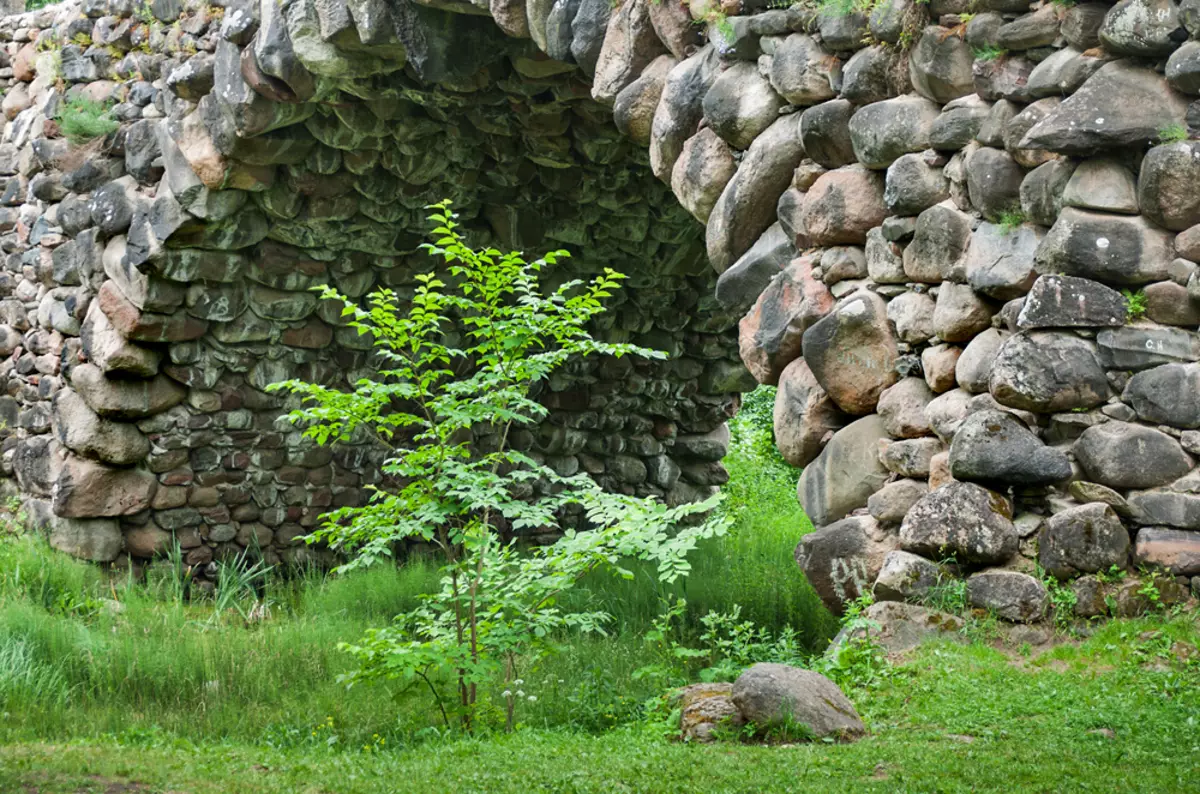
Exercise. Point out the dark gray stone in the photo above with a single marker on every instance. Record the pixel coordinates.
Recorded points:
(1070, 302)
(961, 521)
(994, 446)
(1124, 455)
(1048, 372)
(1167, 394)
(1085, 539)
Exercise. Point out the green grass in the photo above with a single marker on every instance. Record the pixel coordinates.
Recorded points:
(107, 684)
(80, 657)
(1011, 219)
(1115, 714)
(82, 120)
(1173, 133)
(988, 53)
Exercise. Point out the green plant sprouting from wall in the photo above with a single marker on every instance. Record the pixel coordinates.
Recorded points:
(82, 120)
(1135, 304)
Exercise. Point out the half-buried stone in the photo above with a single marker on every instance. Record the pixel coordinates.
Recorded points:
(905, 576)
(962, 521)
(852, 352)
(1124, 455)
(845, 474)
(1048, 372)
(993, 446)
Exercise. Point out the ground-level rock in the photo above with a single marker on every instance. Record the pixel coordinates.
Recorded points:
(842, 560)
(1013, 596)
(770, 694)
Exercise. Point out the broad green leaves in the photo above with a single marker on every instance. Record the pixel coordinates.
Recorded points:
(458, 364)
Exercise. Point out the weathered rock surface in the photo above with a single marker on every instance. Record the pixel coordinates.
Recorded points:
(852, 352)
(1084, 539)
(845, 474)
(1047, 372)
(770, 335)
(804, 415)
(996, 447)
(1013, 596)
(1125, 455)
(1071, 302)
(960, 521)
(1176, 550)
(770, 694)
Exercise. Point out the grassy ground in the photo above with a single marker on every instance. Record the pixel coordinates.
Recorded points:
(111, 688)
(81, 657)
(1116, 714)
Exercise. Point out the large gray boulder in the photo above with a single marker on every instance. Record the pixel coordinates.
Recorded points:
(1116, 249)
(841, 561)
(1089, 120)
(1048, 372)
(1168, 395)
(962, 521)
(771, 695)
(746, 207)
(1083, 539)
(852, 352)
(994, 446)
(125, 399)
(845, 474)
(883, 131)
(1124, 455)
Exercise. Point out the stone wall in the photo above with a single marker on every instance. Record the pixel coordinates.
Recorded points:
(924, 213)
(158, 278)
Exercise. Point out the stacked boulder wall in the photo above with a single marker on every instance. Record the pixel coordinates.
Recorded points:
(974, 280)
(159, 275)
